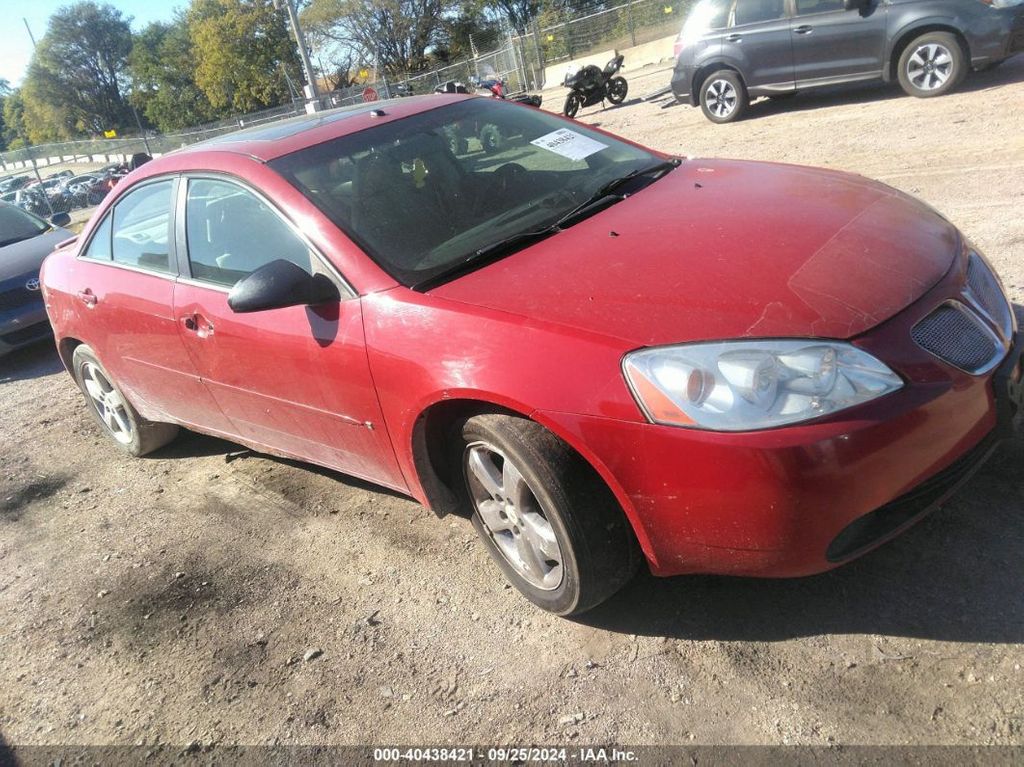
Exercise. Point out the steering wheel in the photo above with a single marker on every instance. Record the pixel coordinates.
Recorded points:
(508, 176)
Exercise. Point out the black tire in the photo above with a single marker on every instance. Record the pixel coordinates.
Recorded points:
(723, 97)
(143, 436)
(931, 65)
(617, 90)
(573, 102)
(597, 549)
(491, 139)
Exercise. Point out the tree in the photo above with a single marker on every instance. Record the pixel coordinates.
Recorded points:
(396, 34)
(162, 70)
(519, 13)
(242, 49)
(14, 135)
(76, 77)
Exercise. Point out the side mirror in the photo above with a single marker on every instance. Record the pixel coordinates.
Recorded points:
(60, 219)
(279, 284)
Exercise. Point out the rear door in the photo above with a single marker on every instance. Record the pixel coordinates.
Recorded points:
(294, 380)
(123, 285)
(759, 38)
(833, 45)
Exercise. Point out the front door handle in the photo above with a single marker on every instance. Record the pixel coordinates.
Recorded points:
(87, 297)
(198, 324)
(804, 29)
(734, 38)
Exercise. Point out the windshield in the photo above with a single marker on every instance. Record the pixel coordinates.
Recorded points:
(17, 225)
(425, 195)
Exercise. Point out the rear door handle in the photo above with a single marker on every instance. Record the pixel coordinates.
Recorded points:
(804, 29)
(87, 297)
(734, 38)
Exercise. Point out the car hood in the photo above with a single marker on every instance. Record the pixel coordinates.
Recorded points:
(26, 256)
(728, 249)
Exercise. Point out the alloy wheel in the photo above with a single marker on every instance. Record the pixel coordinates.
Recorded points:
(512, 516)
(108, 403)
(721, 98)
(930, 66)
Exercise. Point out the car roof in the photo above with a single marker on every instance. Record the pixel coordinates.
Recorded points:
(273, 140)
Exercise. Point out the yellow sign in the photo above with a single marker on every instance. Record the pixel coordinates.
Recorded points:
(667, 9)
(363, 74)
(551, 38)
(110, 134)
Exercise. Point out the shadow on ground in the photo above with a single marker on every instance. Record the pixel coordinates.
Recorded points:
(35, 361)
(190, 444)
(956, 576)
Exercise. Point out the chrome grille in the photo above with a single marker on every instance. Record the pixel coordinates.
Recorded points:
(957, 335)
(984, 292)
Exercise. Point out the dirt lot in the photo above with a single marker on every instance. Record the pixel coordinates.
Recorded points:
(178, 598)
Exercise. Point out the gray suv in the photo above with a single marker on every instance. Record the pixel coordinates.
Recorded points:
(730, 51)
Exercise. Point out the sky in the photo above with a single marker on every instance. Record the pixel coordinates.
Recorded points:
(16, 47)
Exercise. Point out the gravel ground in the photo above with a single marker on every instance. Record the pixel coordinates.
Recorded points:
(205, 595)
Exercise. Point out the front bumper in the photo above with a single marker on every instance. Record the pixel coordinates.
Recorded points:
(22, 323)
(801, 500)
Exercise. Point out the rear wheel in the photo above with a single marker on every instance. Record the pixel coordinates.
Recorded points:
(122, 423)
(723, 97)
(617, 90)
(547, 519)
(573, 102)
(931, 65)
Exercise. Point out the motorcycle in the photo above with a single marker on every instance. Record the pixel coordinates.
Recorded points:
(591, 85)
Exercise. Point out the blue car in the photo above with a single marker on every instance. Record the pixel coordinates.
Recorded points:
(25, 240)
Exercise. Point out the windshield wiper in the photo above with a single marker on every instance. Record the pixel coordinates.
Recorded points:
(602, 198)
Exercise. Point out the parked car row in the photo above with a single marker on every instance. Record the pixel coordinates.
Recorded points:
(63, 191)
(732, 51)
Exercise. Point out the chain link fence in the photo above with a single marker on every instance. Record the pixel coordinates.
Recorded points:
(76, 175)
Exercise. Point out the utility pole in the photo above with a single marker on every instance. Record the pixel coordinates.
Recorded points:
(307, 66)
(30, 35)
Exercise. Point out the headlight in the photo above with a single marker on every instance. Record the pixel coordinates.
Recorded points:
(747, 385)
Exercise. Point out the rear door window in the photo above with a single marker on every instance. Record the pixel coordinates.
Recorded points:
(754, 11)
(807, 7)
(142, 223)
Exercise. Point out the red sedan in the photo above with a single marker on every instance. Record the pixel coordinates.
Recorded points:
(603, 354)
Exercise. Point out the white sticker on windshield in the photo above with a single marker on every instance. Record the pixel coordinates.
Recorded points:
(569, 144)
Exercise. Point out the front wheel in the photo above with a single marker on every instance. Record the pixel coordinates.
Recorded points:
(573, 102)
(723, 97)
(546, 517)
(122, 423)
(931, 65)
(617, 90)
(490, 138)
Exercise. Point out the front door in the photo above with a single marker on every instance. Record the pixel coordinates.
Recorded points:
(833, 45)
(294, 380)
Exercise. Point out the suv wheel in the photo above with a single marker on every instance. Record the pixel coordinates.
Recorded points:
(723, 97)
(931, 65)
